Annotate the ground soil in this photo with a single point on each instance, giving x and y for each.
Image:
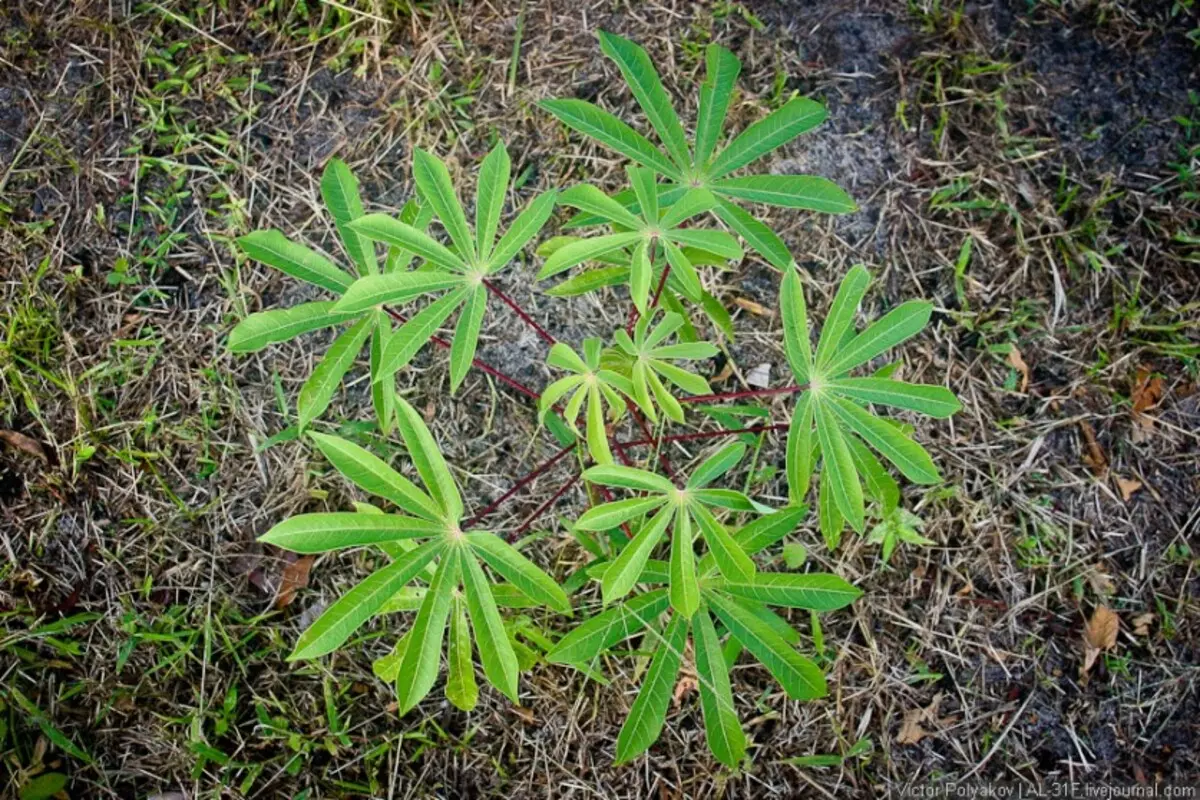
(136, 141)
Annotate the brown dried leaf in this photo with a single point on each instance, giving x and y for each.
(1147, 391)
(911, 731)
(1017, 362)
(757, 309)
(19, 441)
(1094, 457)
(725, 374)
(1128, 487)
(294, 578)
(1142, 623)
(1099, 634)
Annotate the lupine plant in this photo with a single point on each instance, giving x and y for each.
(675, 558)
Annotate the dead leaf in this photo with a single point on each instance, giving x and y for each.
(1101, 581)
(686, 685)
(754, 308)
(759, 377)
(1147, 391)
(911, 731)
(19, 441)
(725, 374)
(1128, 487)
(1142, 623)
(294, 578)
(1017, 362)
(1094, 457)
(526, 714)
(1099, 634)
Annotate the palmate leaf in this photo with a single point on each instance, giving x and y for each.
(275, 250)
(701, 168)
(280, 324)
(339, 190)
(318, 390)
(724, 733)
(448, 558)
(645, 722)
(832, 420)
(592, 637)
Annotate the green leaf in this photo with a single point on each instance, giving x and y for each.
(280, 324)
(764, 240)
(908, 456)
(694, 201)
(901, 323)
(433, 181)
(718, 242)
(339, 189)
(770, 528)
(461, 689)
(830, 518)
(586, 250)
(877, 481)
(721, 73)
(683, 271)
(383, 392)
(383, 228)
(593, 121)
(629, 478)
(523, 228)
(318, 390)
(796, 341)
(520, 571)
(816, 591)
(43, 787)
(721, 726)
(371, 474)
(597, 436)
(643, 81)
(273, 249)
(799, 676)
(604, 630)
(796, 116)
(495, 650)
(789, 191)
(394, 287)
(362, 602)
(799, 458)
(840, 320)
(415, 214)
(590, 281)
(726, 553)
(609, 515)
(620, 578)
(716, 465)
(427, 458)
(843, 480)
(718, 314)
(319, 533)
(640, 275)
(419, 669)
(690, 382)
(466, 336)
(645, 721)
(408, 340)
(933, 401)
(645, 186)
(685, 589)
(724, 498)
(489, 197)
(586, 197)
(686, 351)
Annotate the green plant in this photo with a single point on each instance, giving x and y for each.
(704, 586)
(449, 559)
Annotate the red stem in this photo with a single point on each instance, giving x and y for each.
(542, 508)
(704, 398)
(516, 487)
(520, 312)
(662, 282)
(495, 373)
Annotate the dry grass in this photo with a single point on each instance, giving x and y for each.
(1056, 142)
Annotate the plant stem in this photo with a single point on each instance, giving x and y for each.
(662, 283)
(706, 398)
(516, 487)
(520, 312)
(495, 373)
